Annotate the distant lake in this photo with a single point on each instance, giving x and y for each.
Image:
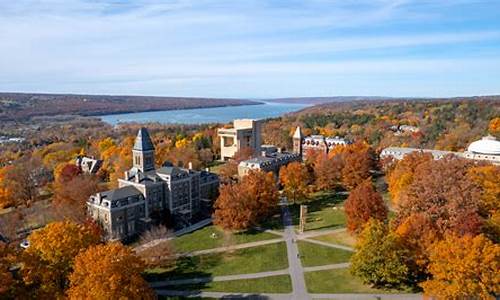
(207, 115)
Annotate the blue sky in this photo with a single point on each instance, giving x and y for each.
(251, 49)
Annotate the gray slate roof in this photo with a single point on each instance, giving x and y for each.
(143, 141)
(120, 193)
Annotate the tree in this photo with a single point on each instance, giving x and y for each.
(363, 203)
(442, 191)
(6, 192)
(70, 197)
(358, 162)
(110, 271)
(494, 126)
(380, 257)
(229, 171)
(417, 233)
(49, 258)
(6, 262)
(155, 248)
(244, 204)
(294, 178)
(327, 172)
(464, 268)
(402, 174)
(487, 178)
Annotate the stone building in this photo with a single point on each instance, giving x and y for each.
(88, 165)
(245, 133)
(486, 149)
(147, 195)
(302, 145)
(271, 160)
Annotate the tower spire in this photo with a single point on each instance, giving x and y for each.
(143, 151)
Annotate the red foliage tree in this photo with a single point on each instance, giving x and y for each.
(363, 203)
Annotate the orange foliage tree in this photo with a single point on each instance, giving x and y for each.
(363, 203)
(110, 271)
(6, 278)
(402, 174)
(246, 203)
(327, 172)
(294, 178)
(464, 268)
(49, 258)
(358, 160)
(494, 126)
(443, 191)
(6, 193)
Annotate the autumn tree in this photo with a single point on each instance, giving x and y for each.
(294, 178)
(327, 172)
(464, 268)
(416, 234)
(6, 278)
(494, 126)
(6, 192)
(229, 171)
(110, 271)
(402, 174)
(49, 259)
(380, 258)
(363, 203)
(245, 204)
(443, 191)
(358, 160)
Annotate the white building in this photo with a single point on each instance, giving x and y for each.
(244, 134)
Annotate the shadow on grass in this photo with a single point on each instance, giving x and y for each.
(185, 268)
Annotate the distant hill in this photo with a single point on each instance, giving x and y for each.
(321, 100)
(19, 106)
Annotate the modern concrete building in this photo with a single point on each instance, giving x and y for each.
(147, 195)
(486, 149)
(245, 133)
(302, 145)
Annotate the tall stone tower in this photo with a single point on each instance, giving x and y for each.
(297, 141)
(143, 153)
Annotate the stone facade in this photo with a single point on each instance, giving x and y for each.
(145, 195)
(245, 133)
(270, 161)
(88, 165)
(302, 145)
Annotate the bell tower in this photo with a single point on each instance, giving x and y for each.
(143, 153)
(297, 141)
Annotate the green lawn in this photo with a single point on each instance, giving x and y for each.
(317, 255)
(340, 238)
(250, 260)
(203, 239)
(272, 284)
(338, 281)
(324, 210)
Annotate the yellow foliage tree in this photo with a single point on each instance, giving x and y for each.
(294, 177)
(110, 271)
(5, 188)
(495, 126)
(488, 178)
(464, 268)
(49, 259)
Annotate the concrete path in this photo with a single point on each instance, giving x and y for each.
(233, 247)
(368, 296)
(157, 284)
(327, 267)
(294, 264)
(328, 245)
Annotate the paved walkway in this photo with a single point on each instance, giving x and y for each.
(315, 233)
(295, 266)
(326, 267)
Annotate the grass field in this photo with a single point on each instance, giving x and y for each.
(340, 238)
(324, 210)
(203, 239)
(317, 255)
(250, 260)
(338, 281)
(272, 284)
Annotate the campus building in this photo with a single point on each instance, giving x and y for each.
(88, 165)
(244, 134)
(147, 195)
(270, 160)
(485, 149)
(304, 144)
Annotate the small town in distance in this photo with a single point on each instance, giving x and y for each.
(267, 150)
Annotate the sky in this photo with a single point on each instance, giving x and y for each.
(251, 49)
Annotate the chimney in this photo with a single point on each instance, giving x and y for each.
(190, 165)
(263, 153)
(137, 178)
(279, 150)
(127, 175)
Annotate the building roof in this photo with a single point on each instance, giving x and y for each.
(399, 152)
(143, 141)
(121, 193)
(487, 145)
(298, 133)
